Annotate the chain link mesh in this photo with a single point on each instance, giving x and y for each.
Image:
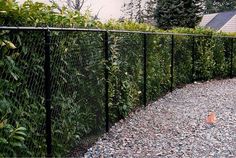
(78, 82)
(22, 93)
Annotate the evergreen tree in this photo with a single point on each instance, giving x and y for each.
(193, 13)
(133, 10)
(214, 6)
(139, 11)
(150, 7)
(128, 10)
(178, 13)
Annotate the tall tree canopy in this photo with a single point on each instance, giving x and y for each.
(214, 6)
(133, 10)
(149, 11)
(178, 13)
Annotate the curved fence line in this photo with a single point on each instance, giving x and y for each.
(61, 85)
(104, 30)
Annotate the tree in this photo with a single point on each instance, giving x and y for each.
(128, 10)
(214, 6)
(139, 13)
(178, 13)
(193, 12)
(72, 4)
(133, 10)
(150, 7)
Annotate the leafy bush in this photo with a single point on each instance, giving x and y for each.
(77, 67)
(40, 14)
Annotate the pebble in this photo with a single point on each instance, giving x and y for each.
(175, 126)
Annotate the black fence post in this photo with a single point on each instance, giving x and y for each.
(47, 73)
(144, 69)
(106, 74)
(193, 58)
(231, 58)
(172, 63)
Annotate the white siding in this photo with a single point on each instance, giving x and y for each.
(230, 26)
(206, 19)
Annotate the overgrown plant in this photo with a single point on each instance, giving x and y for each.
(77, 74)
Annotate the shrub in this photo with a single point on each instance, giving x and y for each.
(77, 67)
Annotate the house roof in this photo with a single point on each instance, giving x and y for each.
(206, 19)
(230, 26)
(219, 21)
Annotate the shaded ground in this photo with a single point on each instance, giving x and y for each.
(175, 126)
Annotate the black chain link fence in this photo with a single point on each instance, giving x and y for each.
(22, 93)
(60, 89)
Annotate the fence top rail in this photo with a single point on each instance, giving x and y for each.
(168, 33)
(50, 29)
(103, 30)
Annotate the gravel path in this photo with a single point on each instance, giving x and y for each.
(175, 126)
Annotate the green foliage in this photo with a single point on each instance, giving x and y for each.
(183, 59)
(125, 74)
(204, 58)
(133, 10)
(21, 102)
(158, 69)
(77, 81)
(178, 13)
(215, 6)
(77, 67)
(12, 139)
(150, 7)
(40, 14)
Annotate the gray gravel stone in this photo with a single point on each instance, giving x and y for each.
(174, 126)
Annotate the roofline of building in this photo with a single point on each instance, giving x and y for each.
(227, 22)
(219, 13)
(222, 12)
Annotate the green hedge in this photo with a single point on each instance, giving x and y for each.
(77, 66)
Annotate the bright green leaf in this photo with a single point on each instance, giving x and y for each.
(20, 138)
(21, 133)
(21, 129)
(9, 44)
